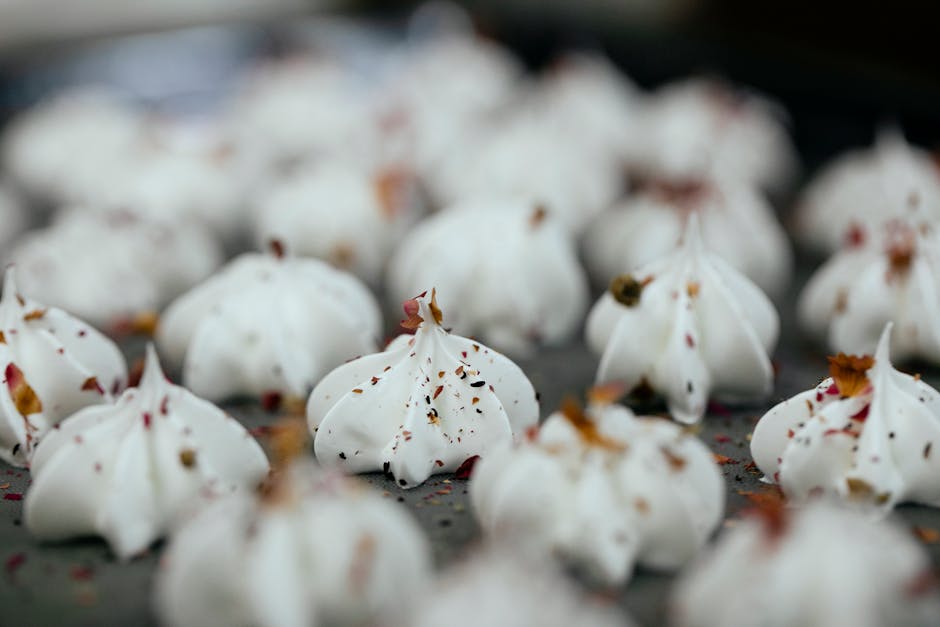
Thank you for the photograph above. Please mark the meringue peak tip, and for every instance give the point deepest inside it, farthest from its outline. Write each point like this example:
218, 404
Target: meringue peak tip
692, 233
421, 304
152, 367
883, 350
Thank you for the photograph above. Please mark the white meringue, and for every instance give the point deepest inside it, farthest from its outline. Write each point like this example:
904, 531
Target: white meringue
823, 566
893, 276
323, 548
528, 158
54, 365
496, 586
504, 271
858, 191
338, 213
605, 490
688, 325
128, 471
13, 217
265, 324
737, 224
587, 96
432, 107
180, 172
110, 266
74, 141
301, 109
423, 406
866, 436
701, 128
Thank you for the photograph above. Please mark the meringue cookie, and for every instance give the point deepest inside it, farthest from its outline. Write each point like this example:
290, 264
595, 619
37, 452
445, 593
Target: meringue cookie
12, 215
301, 109
108, 266
858, 191
504, 272
435, 107
689, 326
180, 172
321, 548
75, 140
496, 587
267, 324
737, 223
128, 471
527, 158
339, 213
585, 94
700, 128
818, 567
423, 406
604, 489
866, 435
892, 277
54, 365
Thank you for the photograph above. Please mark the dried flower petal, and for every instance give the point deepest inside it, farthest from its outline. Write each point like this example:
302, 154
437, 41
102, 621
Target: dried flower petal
24, 397
849, 373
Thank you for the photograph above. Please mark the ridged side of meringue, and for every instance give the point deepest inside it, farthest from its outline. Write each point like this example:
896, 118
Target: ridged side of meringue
737, 224
324, 550
54, 365
871, 444
689, 326
605, 490
423, 406
826, 566
505, 272
893, 276
127, 472
266, 324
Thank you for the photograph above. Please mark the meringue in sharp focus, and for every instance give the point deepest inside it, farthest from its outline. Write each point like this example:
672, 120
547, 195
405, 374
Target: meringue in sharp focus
54, 365
423, 406
268, 324
737, 223
689, 326
103, 267
505, 272
893, 275
128, 471
818, 567
339, 213
700, 128
867, 434
316, 547
496, 586
605, 490
858, 191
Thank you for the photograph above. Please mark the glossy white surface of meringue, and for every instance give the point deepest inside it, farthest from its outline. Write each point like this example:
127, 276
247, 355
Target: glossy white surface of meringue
423, 406
869, 436
605, 490
700, 128
817, 567
504, 271
110, 266
342, 214
54, 365
268, 324
497, 586
857, 192
737, 224
127, 472
320, 549
689, 326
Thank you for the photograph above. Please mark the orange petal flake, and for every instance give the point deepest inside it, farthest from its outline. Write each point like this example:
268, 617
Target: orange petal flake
24, 397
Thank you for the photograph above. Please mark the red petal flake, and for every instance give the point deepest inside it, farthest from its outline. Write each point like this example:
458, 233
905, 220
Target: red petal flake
465, 470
